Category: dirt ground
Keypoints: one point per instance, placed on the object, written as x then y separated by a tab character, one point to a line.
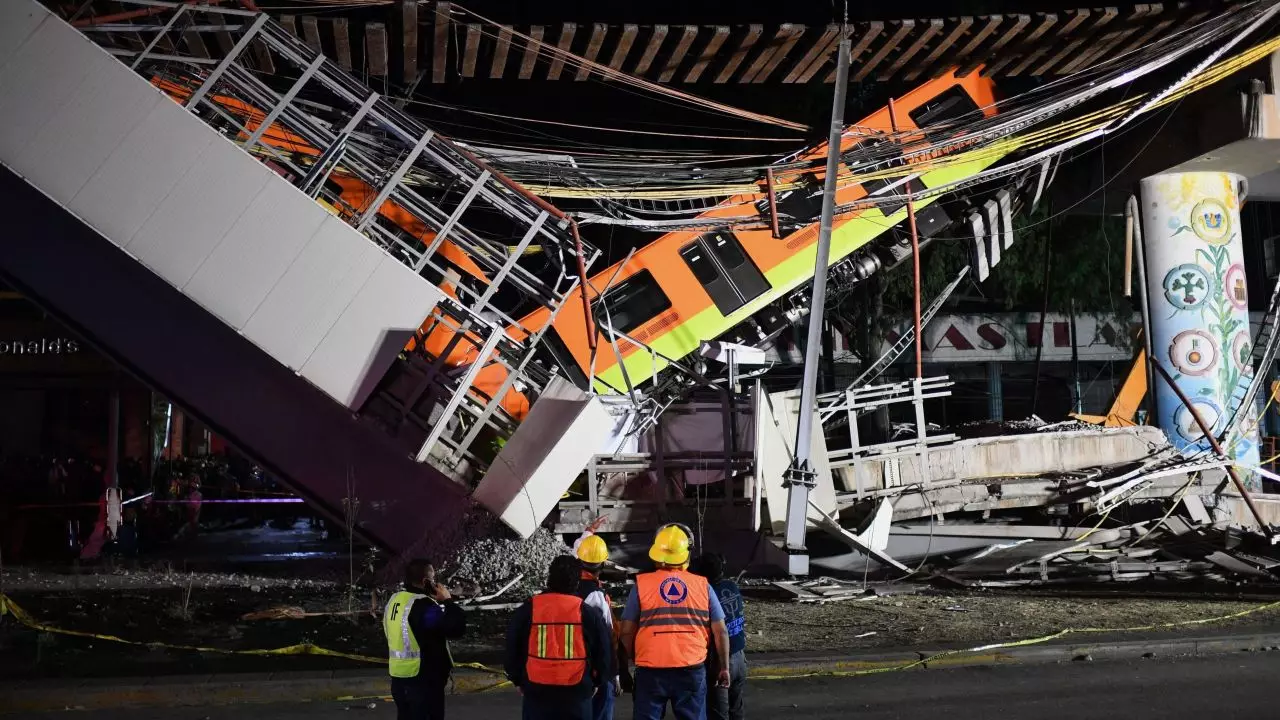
206	610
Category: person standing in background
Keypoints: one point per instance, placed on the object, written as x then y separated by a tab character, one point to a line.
726	703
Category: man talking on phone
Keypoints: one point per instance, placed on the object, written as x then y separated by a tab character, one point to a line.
418	622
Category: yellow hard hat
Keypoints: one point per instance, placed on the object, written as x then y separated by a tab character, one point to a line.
592	550
670	546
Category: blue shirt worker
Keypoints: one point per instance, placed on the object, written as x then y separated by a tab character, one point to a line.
727	703
418	622
670	621
559	650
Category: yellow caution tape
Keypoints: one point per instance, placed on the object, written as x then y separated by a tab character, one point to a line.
7	605
1017	643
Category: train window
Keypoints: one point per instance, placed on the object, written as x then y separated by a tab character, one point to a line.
632	302
803	203
873	186
945	107
724	270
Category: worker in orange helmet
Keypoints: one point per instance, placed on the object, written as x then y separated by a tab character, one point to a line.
669	623
558	649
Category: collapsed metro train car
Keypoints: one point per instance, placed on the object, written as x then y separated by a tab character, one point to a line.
685	288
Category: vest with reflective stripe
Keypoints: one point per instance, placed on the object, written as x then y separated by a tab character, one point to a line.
404	656
675	619
557	650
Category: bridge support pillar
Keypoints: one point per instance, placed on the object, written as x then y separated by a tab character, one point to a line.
1199	309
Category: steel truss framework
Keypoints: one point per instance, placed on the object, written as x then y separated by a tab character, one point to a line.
327	124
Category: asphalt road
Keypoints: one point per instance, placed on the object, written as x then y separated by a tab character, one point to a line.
1235	686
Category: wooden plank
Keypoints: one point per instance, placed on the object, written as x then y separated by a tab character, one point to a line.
311	33
935	27
744	47
375	48
624	46
1113	39
1158	28
531	52
440	60
766	53
650	50
1020	23
872	32
342	42
992	22
262	57
704	58
779	54
687	37
821	48
409	26
567	31
1080	17
1083	54
599	32
499	65
904	29
1033	52
961	27
290	23
471	51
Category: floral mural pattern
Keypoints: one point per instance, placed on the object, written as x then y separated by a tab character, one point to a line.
1195	261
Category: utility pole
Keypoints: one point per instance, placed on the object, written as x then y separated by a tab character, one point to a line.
801	477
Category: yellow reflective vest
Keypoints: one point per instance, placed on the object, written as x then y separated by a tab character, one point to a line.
404	657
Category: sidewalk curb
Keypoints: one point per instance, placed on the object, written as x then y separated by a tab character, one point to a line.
360	686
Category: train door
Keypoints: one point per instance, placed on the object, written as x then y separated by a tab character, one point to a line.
724	270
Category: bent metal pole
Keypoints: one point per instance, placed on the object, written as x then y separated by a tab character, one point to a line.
800	477
1227	462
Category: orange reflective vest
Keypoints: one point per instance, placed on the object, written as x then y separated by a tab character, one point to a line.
557	650
675	619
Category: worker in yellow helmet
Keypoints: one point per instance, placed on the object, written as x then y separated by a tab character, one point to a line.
668	625
593	552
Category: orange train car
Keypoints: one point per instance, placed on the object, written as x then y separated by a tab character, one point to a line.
685	288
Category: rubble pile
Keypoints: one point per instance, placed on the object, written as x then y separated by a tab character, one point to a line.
491	554
1186	545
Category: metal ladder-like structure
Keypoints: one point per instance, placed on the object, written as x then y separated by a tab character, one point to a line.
830	409
1263	354
316	122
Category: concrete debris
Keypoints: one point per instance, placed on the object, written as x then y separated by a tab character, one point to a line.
1178	547
491	553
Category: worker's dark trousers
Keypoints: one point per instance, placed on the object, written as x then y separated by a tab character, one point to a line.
418	699
558	709
727	703
602	703
684	688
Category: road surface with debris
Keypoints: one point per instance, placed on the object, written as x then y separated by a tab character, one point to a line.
1168	689
209	611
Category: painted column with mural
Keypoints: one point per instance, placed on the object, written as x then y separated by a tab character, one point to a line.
1198	297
